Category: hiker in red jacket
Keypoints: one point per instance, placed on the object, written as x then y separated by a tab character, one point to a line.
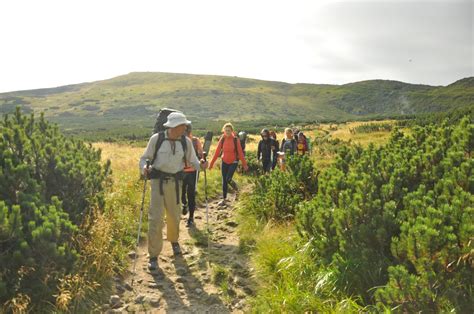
188	195
231	151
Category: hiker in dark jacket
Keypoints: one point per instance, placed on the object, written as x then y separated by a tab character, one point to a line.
275	156
188	195
267	148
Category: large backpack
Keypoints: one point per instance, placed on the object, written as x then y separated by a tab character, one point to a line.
162	118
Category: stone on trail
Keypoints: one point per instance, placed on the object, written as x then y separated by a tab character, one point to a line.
132	254
139	299
198	290
181	279
232	224
115	301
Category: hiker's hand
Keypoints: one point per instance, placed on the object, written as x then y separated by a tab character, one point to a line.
146	171
204	164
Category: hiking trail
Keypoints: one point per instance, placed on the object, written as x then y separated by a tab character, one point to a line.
185	283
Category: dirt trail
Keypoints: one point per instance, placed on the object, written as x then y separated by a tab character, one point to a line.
186	283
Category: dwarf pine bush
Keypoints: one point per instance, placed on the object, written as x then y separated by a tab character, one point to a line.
48	184
396	223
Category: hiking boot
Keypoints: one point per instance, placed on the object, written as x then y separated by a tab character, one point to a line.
176	248
185	209
190	223
153	263
233	185
222	202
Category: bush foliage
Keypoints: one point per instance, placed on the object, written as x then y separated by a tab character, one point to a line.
400	218
48	184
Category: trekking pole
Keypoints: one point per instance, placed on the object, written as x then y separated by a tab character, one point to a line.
207	211
140	222
207	146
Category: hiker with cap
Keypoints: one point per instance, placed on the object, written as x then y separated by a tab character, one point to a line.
169	151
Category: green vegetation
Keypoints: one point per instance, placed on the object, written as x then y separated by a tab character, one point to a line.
123	107
49	185
387	228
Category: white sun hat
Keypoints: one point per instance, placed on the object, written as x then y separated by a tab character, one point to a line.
175	119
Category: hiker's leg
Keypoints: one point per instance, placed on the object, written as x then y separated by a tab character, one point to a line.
173	210
192	193
231	171
155	220
266	165
225	169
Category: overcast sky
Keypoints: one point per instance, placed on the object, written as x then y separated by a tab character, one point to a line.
52	43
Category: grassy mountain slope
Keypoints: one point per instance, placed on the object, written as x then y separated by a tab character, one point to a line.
132	99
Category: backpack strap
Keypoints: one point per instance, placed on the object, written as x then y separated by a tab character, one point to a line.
221	143
236	150
159	141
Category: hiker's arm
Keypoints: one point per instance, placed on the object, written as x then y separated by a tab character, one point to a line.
191	156
148	154
216	154
199	149
242	157
259	150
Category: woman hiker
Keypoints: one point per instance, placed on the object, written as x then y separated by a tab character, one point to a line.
165	174
288	147
231	151
188	197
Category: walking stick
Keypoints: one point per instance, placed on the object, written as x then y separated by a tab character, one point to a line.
140	222
207	146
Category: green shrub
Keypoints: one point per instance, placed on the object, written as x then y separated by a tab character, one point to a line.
47	185
399	217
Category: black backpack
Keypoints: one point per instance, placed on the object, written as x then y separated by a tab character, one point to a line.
162	118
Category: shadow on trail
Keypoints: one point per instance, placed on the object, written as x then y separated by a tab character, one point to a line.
194	288
223	255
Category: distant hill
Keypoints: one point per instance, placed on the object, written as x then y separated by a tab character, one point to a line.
134	98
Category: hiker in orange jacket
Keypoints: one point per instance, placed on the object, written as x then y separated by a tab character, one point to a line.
231	151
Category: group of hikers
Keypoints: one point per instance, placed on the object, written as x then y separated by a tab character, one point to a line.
173	169
270	151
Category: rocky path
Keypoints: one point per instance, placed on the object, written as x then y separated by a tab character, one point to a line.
196	281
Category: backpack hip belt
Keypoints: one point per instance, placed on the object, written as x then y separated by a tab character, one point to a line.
164	176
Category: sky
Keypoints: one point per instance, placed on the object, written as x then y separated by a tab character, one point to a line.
53	43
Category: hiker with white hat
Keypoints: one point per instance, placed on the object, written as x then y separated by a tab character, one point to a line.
169	151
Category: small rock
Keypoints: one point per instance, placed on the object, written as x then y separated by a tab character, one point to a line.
128	287
139	299
140	280
198	291
181	271
115	301
153	285
120	289
213	299
181	279
232	224
239	281
155	302
163	258
132	254
133	308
